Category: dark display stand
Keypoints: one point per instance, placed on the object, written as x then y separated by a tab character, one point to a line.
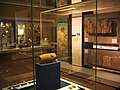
48	76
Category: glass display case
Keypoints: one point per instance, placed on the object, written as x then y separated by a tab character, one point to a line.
84	37
20	41
15	61
57	27
17	56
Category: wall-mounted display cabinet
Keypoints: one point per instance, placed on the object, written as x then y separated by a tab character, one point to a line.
85	36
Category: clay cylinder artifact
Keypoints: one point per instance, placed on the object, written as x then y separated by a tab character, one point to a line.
49	57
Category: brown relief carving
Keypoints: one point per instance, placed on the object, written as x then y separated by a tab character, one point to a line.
106	61
89	25
115	62
99	60
118	23
92	60
99	26
118	30
109	25
104	26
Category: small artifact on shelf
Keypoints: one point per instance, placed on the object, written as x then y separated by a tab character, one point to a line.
48	57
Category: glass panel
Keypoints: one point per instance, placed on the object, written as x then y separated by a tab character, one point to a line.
108	60
47	3
15	45
36	3
85	37
66	39
20	40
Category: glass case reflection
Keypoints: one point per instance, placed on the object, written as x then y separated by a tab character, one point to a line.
6	35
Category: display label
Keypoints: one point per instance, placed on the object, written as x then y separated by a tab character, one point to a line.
86	39
114	40
86	50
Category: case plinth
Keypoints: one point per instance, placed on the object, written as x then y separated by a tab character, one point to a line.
48	76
